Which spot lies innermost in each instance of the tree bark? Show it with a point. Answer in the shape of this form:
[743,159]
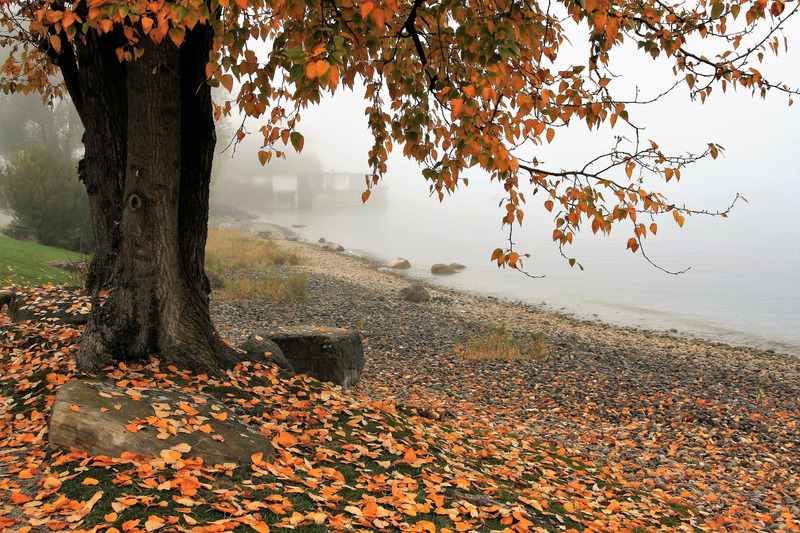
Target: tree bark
[149,144]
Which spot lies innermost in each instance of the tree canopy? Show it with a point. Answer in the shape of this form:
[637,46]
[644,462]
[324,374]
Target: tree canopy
[456,83]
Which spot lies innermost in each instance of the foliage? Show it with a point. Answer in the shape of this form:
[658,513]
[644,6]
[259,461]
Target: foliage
[500,345]
[23,264]
[44,194]
[457,84]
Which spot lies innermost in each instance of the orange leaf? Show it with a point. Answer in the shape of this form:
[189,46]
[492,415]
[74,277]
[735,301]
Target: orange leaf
[75,408]
[284,439]
[456,106]
[19,498]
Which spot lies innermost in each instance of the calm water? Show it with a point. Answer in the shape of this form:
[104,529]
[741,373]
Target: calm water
[739,290]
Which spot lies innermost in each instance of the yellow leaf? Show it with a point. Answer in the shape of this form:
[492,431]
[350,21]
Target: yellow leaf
[568,507]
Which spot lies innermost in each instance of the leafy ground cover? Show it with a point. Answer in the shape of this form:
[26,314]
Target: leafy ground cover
[345,462]
[28,260]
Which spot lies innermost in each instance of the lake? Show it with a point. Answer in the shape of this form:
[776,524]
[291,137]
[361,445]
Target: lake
[743,287]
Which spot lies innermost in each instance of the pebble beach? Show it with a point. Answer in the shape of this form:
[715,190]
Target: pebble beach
[709,423]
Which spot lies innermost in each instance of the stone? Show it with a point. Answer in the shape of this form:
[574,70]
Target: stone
[75,267]
[441,269]
[258,349]
[266,235]
[415,293]
[399,263]
[6,297]
[332,355]
[322,239]
[332,247]
[19,233]
[457,266]
[214,280]
[84,417]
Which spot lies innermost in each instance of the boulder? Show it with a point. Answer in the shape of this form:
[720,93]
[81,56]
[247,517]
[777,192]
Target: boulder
[74,267]
[441,269]
[266,235]
[399,263]
[258,348]
[19,233]
[214,280]
[457,266]
[416,294]
[332,247]
[332,355]
[98,418]
[322,239]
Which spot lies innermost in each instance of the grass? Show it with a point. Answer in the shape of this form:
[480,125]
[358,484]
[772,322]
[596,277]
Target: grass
[23,263]
[498,344]
[229,250]
[254,269]
[274,285]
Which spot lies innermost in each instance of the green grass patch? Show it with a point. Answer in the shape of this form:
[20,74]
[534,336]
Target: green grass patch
[22,263]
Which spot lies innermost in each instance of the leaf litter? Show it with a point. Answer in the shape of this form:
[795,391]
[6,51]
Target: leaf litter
[350,462]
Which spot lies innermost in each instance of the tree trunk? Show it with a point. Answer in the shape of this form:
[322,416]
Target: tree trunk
[149,144]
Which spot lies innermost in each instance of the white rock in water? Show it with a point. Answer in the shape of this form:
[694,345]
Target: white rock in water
[399,263]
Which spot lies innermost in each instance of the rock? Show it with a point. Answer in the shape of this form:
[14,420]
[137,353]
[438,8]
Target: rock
[266,235]
[322,239]
[214,280]
[85,417]
[416,293]
[298,226]
[70,266]
[6,297]
[332,247]
[441,269]
[399,263]
[292,238]
[332,355]
[457,266]
[258,349]
[19,233]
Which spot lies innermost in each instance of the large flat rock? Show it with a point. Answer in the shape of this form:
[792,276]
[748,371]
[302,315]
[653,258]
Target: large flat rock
[332,355]
[98,418]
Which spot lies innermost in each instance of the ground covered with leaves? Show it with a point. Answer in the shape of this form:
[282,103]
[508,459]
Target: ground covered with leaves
[429,442]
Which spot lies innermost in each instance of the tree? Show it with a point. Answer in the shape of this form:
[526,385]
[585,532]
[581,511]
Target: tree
[26,122]
[457,83]
[43,193]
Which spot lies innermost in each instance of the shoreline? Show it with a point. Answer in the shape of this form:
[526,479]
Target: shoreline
[287,236]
